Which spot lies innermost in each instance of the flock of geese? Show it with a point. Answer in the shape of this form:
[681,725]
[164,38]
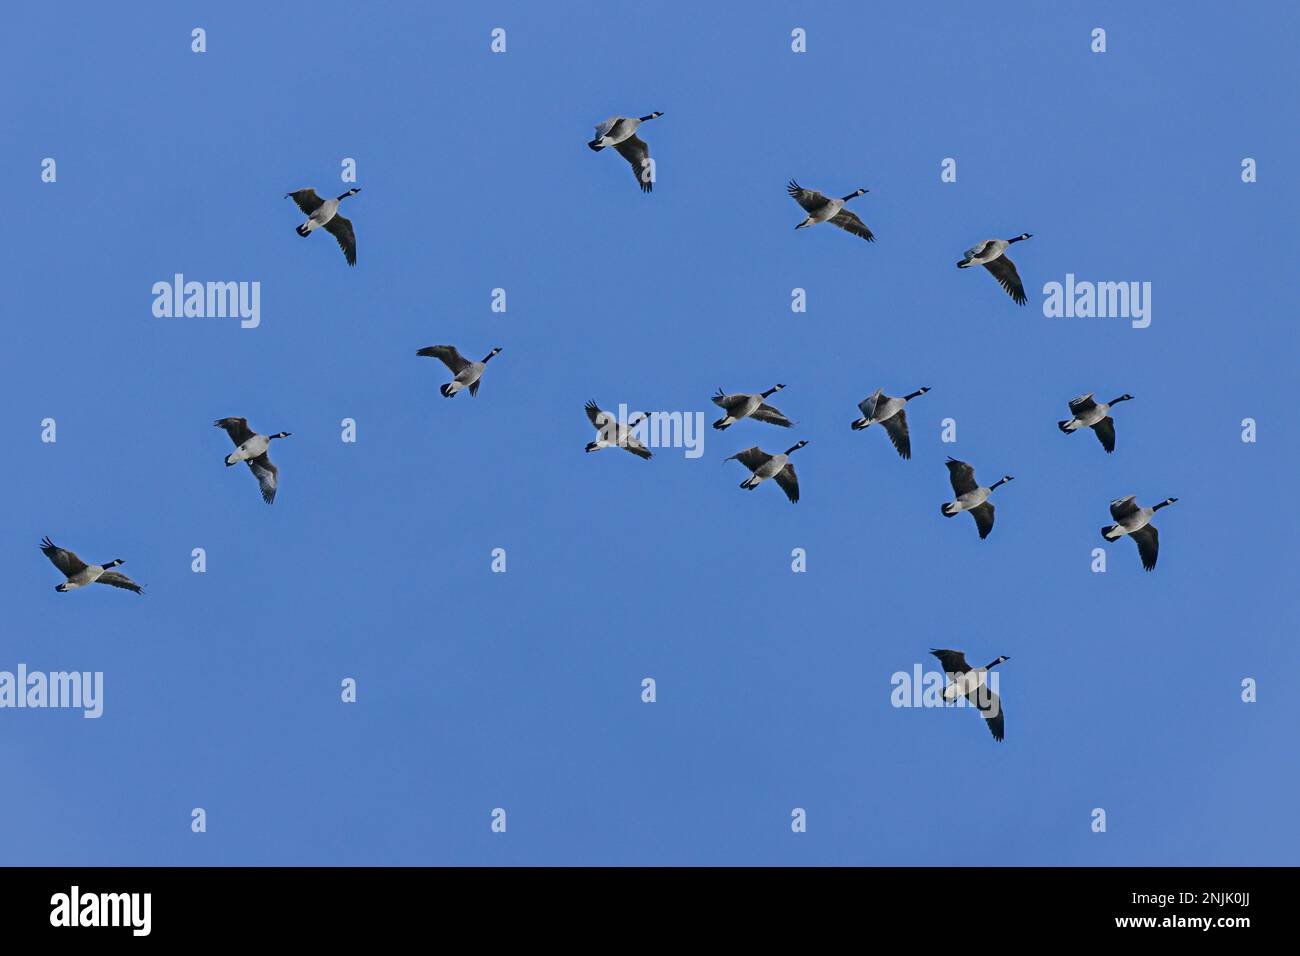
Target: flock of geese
[889,412]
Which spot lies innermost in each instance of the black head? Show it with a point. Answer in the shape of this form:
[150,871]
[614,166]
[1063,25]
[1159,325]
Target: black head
[488,357]
[1126,397]
[114,563]
[795,447]
[1020,238]
[998,661]
[279,435]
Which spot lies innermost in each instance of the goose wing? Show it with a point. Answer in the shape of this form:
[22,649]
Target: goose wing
[961,475]
[983,515]
[448,355]
[341,229]
[599,420]
[977,250]
[119,580]
[637,153]
[789,482]
[633,444]
[896,427]
[766,413]
[810,199]
[1083,403]
[267,476]
[752,458]
[306,199]
[868,405]
[1105,430]
[66,561]
[990,707]
[954,662]
[1004,270]
[1121,508]
[1148,542]
[604,128]
[236,428]
[849,222]
[728,401]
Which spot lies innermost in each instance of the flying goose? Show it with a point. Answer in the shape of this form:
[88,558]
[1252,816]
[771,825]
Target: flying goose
[1088,414]
[972,683]
[467,373]
[971,496]
[325,213]
[620,132]
[879,408]
[740,406]
[79,573]
[1136,523]
[765,466]
[614,435]
[251,448]
[989,254]
[820,208]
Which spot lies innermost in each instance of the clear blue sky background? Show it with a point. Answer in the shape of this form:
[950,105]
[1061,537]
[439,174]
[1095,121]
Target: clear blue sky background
[522,690]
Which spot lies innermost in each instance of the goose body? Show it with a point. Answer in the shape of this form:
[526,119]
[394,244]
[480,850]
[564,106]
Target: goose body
[251,448]
[881,409]
[1135,521]
[742,405]
[764,466]
[466,374]
[971,496]
[620,132]
[612,434]
[991,254]
[1086,413]
[822,208]
[78,573]
[972,683]
[324,214]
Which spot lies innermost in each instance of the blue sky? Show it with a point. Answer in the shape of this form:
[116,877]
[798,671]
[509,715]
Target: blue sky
[522,690]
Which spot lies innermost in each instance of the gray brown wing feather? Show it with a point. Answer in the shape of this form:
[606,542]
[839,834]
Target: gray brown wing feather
[1121,508]
[307,200]
[341,229]
[63,559]
[954,662]
[636,152]
[1084,403]
[236,428]
[446,354]
[983,515]
[789,482]
[1004,270]
[119,580]
[810,199]
[849,222]
[766,413]
[1105,430]
[896,427]
[1148,542]
[961,475]
[267,476]
[752,458]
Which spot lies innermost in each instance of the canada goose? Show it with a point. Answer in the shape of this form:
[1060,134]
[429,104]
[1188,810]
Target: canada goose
[1088,413]
[325,212]
[740,406]
[970,496]
[467,373]
[79,573]
[765,466]
[989,254]
[820,208]
[879,408]
[614,435]
[972,683]
[620,132]
[251,448]
[1136,523]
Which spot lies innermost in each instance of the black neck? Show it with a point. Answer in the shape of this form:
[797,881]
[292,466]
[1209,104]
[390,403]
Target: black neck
[919,391]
